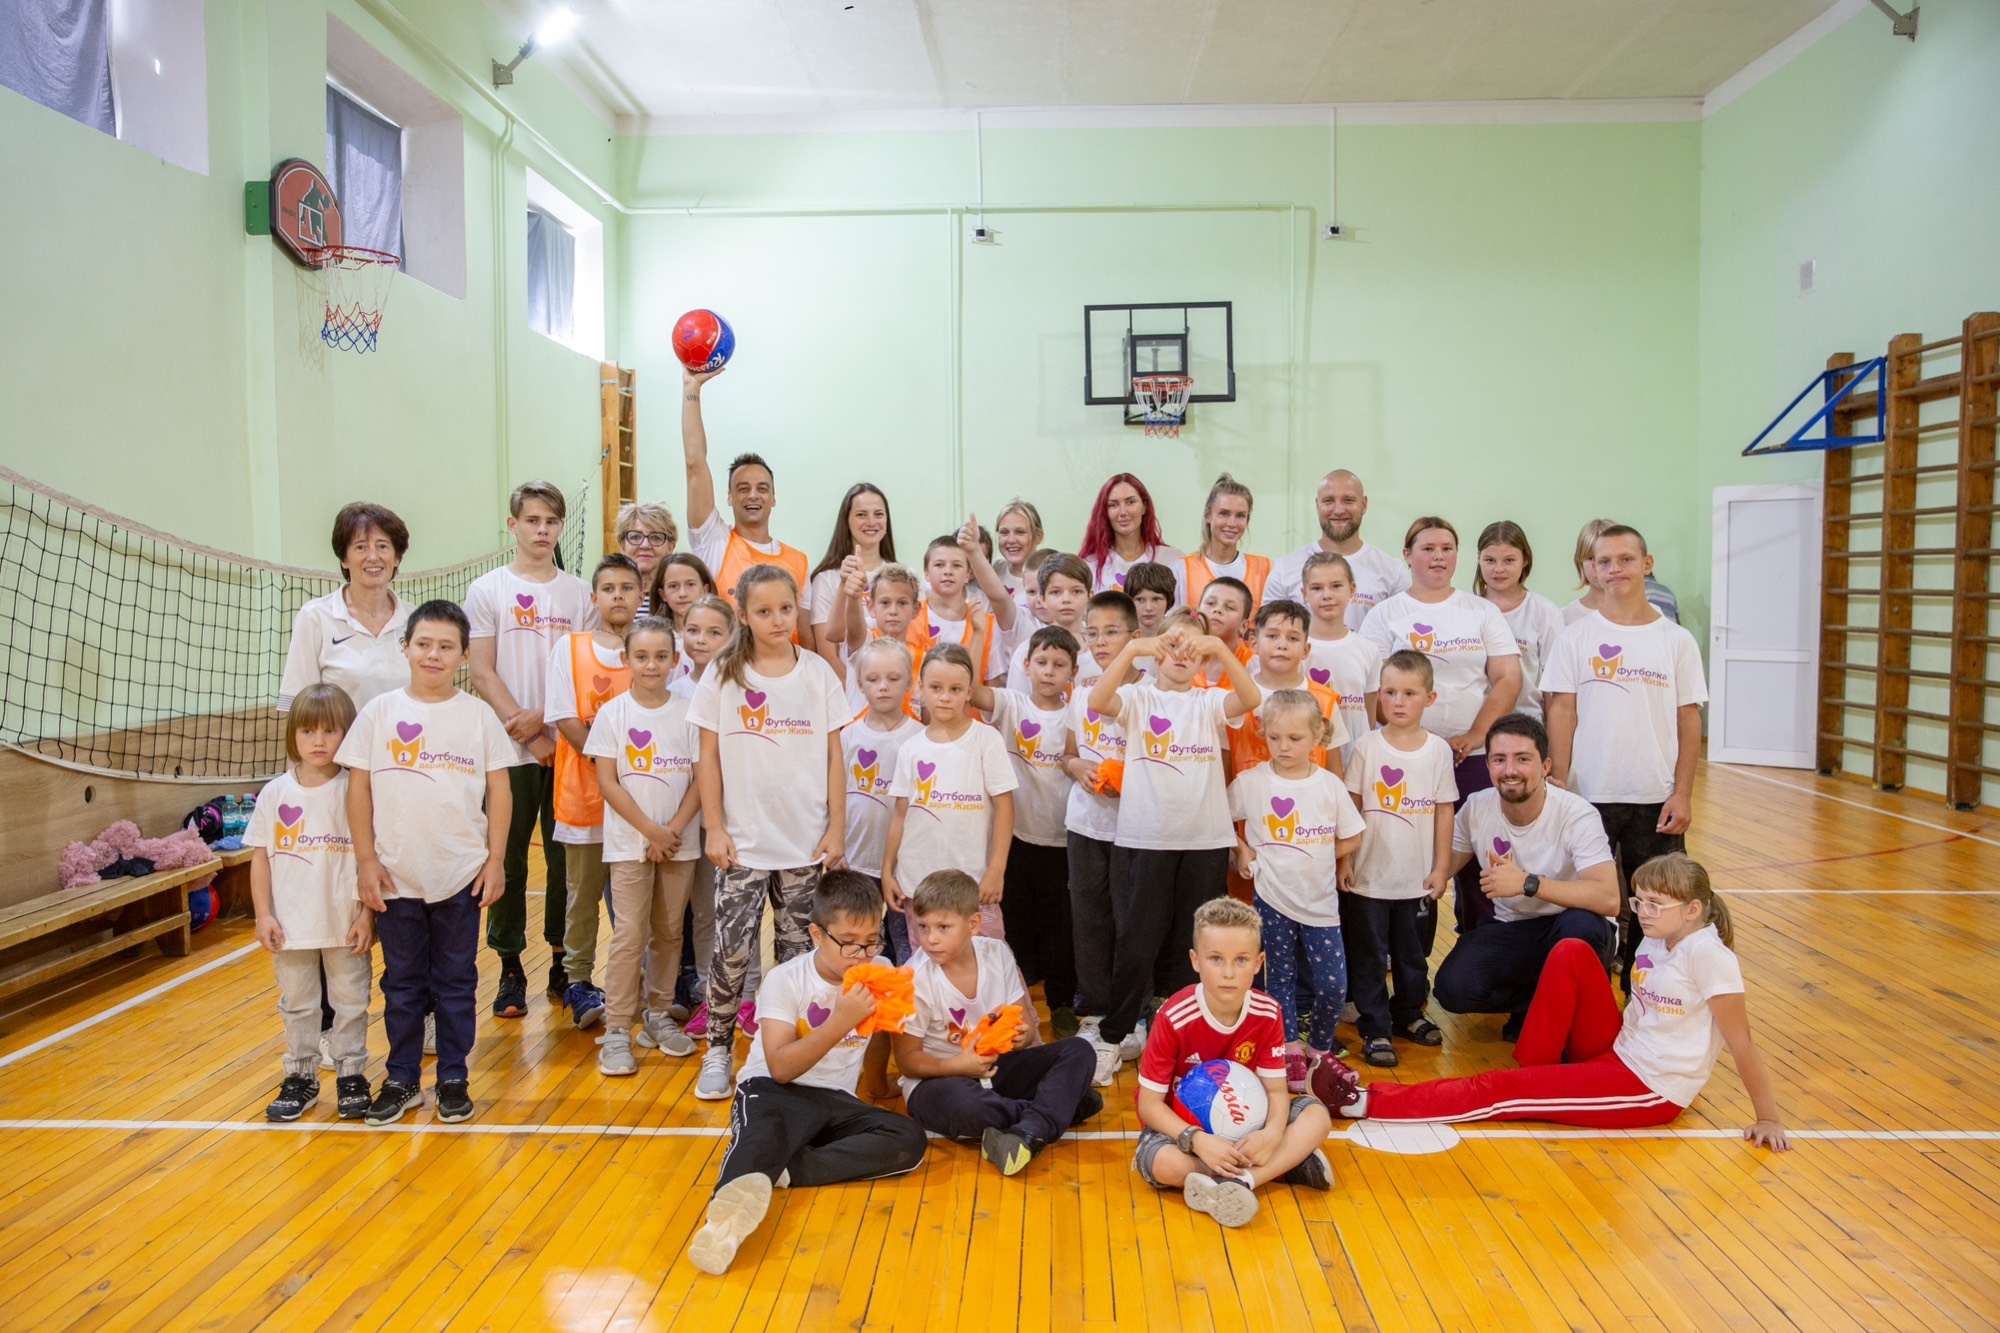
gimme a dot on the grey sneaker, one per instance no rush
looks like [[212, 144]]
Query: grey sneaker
[[1134, 1044], [716, 1083], [1229, 1201], [660, 1032], [614, 1055], [733, 1213], [326, 1050], [1107, 1063]]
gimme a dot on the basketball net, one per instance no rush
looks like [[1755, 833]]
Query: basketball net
[[352, 284], [1162, 401]]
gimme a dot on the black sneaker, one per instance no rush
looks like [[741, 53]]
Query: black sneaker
[[394, 1102], [454, 1103], [1008, 1149], [1315, 1173], [1064, 1022], [510, 999], [351, 1096], [558, 978], [1511, 1029], [295, 1097], [1092, 1103]]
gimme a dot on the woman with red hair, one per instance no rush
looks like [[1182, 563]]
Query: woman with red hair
[[1122, 532]]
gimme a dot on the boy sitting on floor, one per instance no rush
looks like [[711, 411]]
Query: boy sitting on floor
[[796, 1119], [1221, 1017], [1016, 1102]]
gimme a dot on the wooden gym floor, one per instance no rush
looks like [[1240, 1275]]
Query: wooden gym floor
[[143, 1190]]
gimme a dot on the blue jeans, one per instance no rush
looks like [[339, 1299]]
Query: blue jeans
[[430, 960], [1324, 956]]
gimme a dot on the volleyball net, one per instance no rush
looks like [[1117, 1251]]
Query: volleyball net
[[131, 652]]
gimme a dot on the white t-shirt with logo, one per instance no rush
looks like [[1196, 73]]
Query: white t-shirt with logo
[[796, 996], [1098, 739], [525, 620], [1035, 739], [427, 765], [1566, 839], [1351, 667], [868, 758], [559, 704], [950, 786], [1293, 825], [1378, 576], [1670, 1038], [945, 1014], [771, 733], [1630, 682], [330, 647], [1458, 634], [1173, 799], [1535, 625], [656, 749], [303, 831], [1400, 791]]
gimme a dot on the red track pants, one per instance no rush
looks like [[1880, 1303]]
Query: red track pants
[[1574, 1017]]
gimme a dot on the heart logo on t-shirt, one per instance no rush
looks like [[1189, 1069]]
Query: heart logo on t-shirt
[[602, 684], [1608, 649], [926, 770], [409, 731], [1392, 776], [935, 631], [1421, 629], [817, 1013], [958, 1016], [1159, 726], [1604, 666], [1422, 637], [641, 739], [1501, 847], [1281, 806], [1031, 729], [524, 600], [289, 814], [1320, 675], [755, 698], [865, 758]]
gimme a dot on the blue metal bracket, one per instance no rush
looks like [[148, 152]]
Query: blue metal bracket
[[1848, 378]]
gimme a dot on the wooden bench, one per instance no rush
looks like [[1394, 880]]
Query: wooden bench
[[59, 932]]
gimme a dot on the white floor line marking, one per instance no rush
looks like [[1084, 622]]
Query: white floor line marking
[[132, 1003], [1859, 805], [1110, 1135]]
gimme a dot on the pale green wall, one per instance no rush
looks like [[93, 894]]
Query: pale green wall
[[149, 357], [1510, 332], [1879, 158]]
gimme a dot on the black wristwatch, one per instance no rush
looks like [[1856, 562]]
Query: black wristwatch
[[1531, 886], [1186, 1140]]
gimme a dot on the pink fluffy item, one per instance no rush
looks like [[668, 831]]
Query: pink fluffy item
[[81, 861]]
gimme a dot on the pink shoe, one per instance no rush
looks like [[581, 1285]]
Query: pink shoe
[[697, 1026], [746, 1019], [1297, 1070]]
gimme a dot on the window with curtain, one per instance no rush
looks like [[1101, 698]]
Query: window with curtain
[[551, 277], [364, 160], [58, 52]]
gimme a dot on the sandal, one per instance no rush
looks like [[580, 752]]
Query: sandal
[[1379, 1051], [1423, 1032]]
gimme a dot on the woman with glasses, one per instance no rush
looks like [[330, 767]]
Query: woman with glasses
[[648, 534]]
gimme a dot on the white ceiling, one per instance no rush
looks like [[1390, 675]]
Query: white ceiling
[[682, 60]]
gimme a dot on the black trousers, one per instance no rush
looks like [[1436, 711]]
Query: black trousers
[[1494, 968], [1034, 908], [1384, 939], [430, 961], [1035, 1092], [1097, 872], [820, 1135], [1151, 954], [1635, 840]]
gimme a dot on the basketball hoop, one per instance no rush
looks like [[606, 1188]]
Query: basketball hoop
[[1162, 401], [354, 286]]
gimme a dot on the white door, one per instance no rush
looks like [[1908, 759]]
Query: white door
[[1763, 645]]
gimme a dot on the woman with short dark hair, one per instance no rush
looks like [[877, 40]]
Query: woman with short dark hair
[[353, 636]]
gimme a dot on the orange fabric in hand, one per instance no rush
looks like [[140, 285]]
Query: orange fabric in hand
[[1110, 777], [895, 996], [994, 1034]]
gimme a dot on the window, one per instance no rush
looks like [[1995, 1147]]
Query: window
[[565, 269], [551, 277], [364, 161], [134, 69]]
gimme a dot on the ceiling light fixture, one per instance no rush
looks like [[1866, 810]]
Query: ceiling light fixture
[[552, 30], [1901, 25]]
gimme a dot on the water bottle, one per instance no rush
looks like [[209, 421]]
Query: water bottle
[[232, 817]]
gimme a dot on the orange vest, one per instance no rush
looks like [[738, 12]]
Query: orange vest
[[921, 642], [1247, 747], [579, 803], [739, 556], [1256, 571]]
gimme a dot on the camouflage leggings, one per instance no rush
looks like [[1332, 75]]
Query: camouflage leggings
[[740, 895]]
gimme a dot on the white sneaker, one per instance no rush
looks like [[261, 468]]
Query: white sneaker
[[430, 1034], [1134, 1044], [716, 1085], [614, 1055], [660, 1032], [1107, 1062], [326, 1050], [1090, 1026], [733, 1213], [1229, 1201]]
